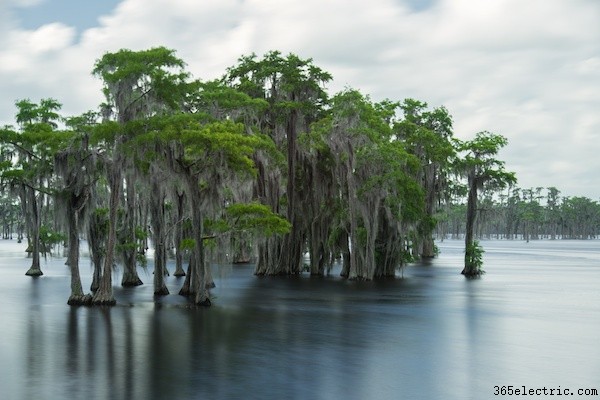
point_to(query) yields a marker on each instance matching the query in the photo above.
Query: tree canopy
(262, 165)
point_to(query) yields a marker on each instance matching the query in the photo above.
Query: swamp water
(533, 320)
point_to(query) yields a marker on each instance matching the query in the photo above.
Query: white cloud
(26, 3)
(589, 66)
(527, 70)
(31, 44)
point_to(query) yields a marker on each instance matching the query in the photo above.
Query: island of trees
(261, 166)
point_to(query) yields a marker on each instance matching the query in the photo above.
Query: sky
(527, 70)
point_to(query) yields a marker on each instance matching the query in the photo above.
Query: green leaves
(221, 101)
(479, 162)
(342, 169)
(484, 144)
(125, 63)
(361, 133)
(257, 218)
(30, 151)
(426, 134)
(474, 258)
(49, 238)
(286, 83)
(222, 144)
(142, 83)
(249, 217)
(43, 113)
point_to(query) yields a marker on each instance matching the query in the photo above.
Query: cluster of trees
(527, 214)
(261, 164)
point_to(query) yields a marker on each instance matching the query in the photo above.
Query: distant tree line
(527, 214)
(259, 166)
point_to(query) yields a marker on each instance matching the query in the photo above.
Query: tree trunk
(267, 191)
(293, 241)
(34, 218)
(104, 294)
(130, 275)
(345, 249)
(470, 269)
(427, 245)
(160, 287)
(77, 297)
(186, 287)
(96, 275)
(198, 284)
(157, 215)
(97, 244)
(179, 235)
(316, 249)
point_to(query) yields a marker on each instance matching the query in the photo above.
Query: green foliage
(50, 237)
(428, 223)
(581, 217)
(126, 246)
(13, 174)
(362, 235)
(105, 133)
(530, 214)
(386, 167)
(479, 162)
(221, 101)
(207, 144)
(187, 244)
(251, 75)
(101, 213)
(222, 140)
(210, 243)
(427, 135)
(216, 225)
(136, 81)
(33, 147)
(474, 257)
(407, 257)
(288, 85)
(140, 233)
(141, 259)
(257, 218)
(45, 112)
(348, 164)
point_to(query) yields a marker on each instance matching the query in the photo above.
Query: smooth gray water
(533, 320)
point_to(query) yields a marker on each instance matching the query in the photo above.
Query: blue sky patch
(79, 14)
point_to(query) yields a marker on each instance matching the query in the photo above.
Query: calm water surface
(533, 320)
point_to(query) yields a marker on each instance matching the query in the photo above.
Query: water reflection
(431, 335)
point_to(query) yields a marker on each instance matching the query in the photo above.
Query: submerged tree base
(34, 272)
(473, 260)
(199, 303)
(204, 303)
(472, 273)
(359, 279)
(179, 272)
(103, 300)
(163, 291)
(132, 282)
(278, 273)
(80, 300)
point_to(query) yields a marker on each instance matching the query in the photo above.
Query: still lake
(533, 320)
